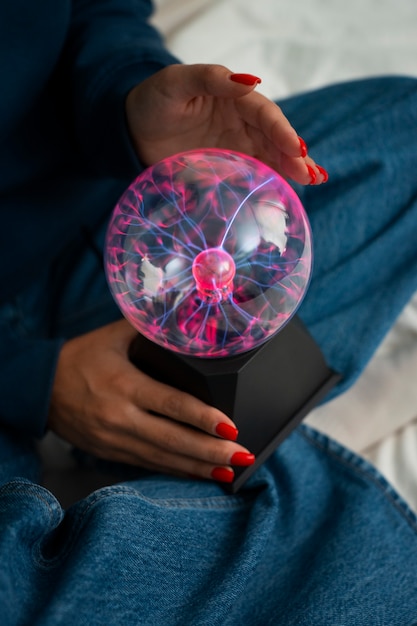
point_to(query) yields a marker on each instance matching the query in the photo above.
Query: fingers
(264, 118)
(210, 80)
(132, 434)
(304, 171)
(180, 438)
(104, 405)
(172, 448)
(175, 437)
(256, 111)
(172, 431)
(182, 407)
(286, 151)
(204, 105)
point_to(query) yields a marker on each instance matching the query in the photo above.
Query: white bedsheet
(295, 46)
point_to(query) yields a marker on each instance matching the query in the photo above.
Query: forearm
(110, 48)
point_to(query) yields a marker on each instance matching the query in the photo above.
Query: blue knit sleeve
(27, 369)
(111, 47)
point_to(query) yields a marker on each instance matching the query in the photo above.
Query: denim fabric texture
(316, 537)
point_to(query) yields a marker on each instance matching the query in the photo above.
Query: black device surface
(266, 392)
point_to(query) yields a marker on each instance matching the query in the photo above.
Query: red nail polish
(223, 474)
(303, 147)
(245, 79)
(324, 173)
(312, 173)
(226, 431)
(242, 458)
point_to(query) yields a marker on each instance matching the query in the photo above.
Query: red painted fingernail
(242, 458)
(223, 474)
(226, 431)
(303, 147)
(324, 173)
(312, 173)
(245, 79)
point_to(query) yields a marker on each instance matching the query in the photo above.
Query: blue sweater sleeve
(26, 369)
(111, 47)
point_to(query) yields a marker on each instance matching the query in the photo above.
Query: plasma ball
(213, 270)
(208, 253)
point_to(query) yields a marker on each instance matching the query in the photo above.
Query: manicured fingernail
(324, 173)
(242, 458)
(245, 79)
(223, 474)
(226, 431)
(303, 147)
(312, 173)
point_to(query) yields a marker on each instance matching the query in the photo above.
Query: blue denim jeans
(316, 536)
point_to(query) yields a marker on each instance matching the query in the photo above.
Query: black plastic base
(266, 392)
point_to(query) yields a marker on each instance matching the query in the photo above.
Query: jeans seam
(233, 501)
(86, 505)
(13, 486)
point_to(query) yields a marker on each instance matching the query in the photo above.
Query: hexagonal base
(266, 392)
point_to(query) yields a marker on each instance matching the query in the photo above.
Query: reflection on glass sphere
(208, 253)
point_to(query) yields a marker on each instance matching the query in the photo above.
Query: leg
(315, 538)
(364, 219)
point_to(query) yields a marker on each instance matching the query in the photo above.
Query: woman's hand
(104, 405)
(183, 107)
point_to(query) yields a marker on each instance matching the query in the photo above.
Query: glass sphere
(208, 253)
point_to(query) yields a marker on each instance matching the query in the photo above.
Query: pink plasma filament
(213, 271)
